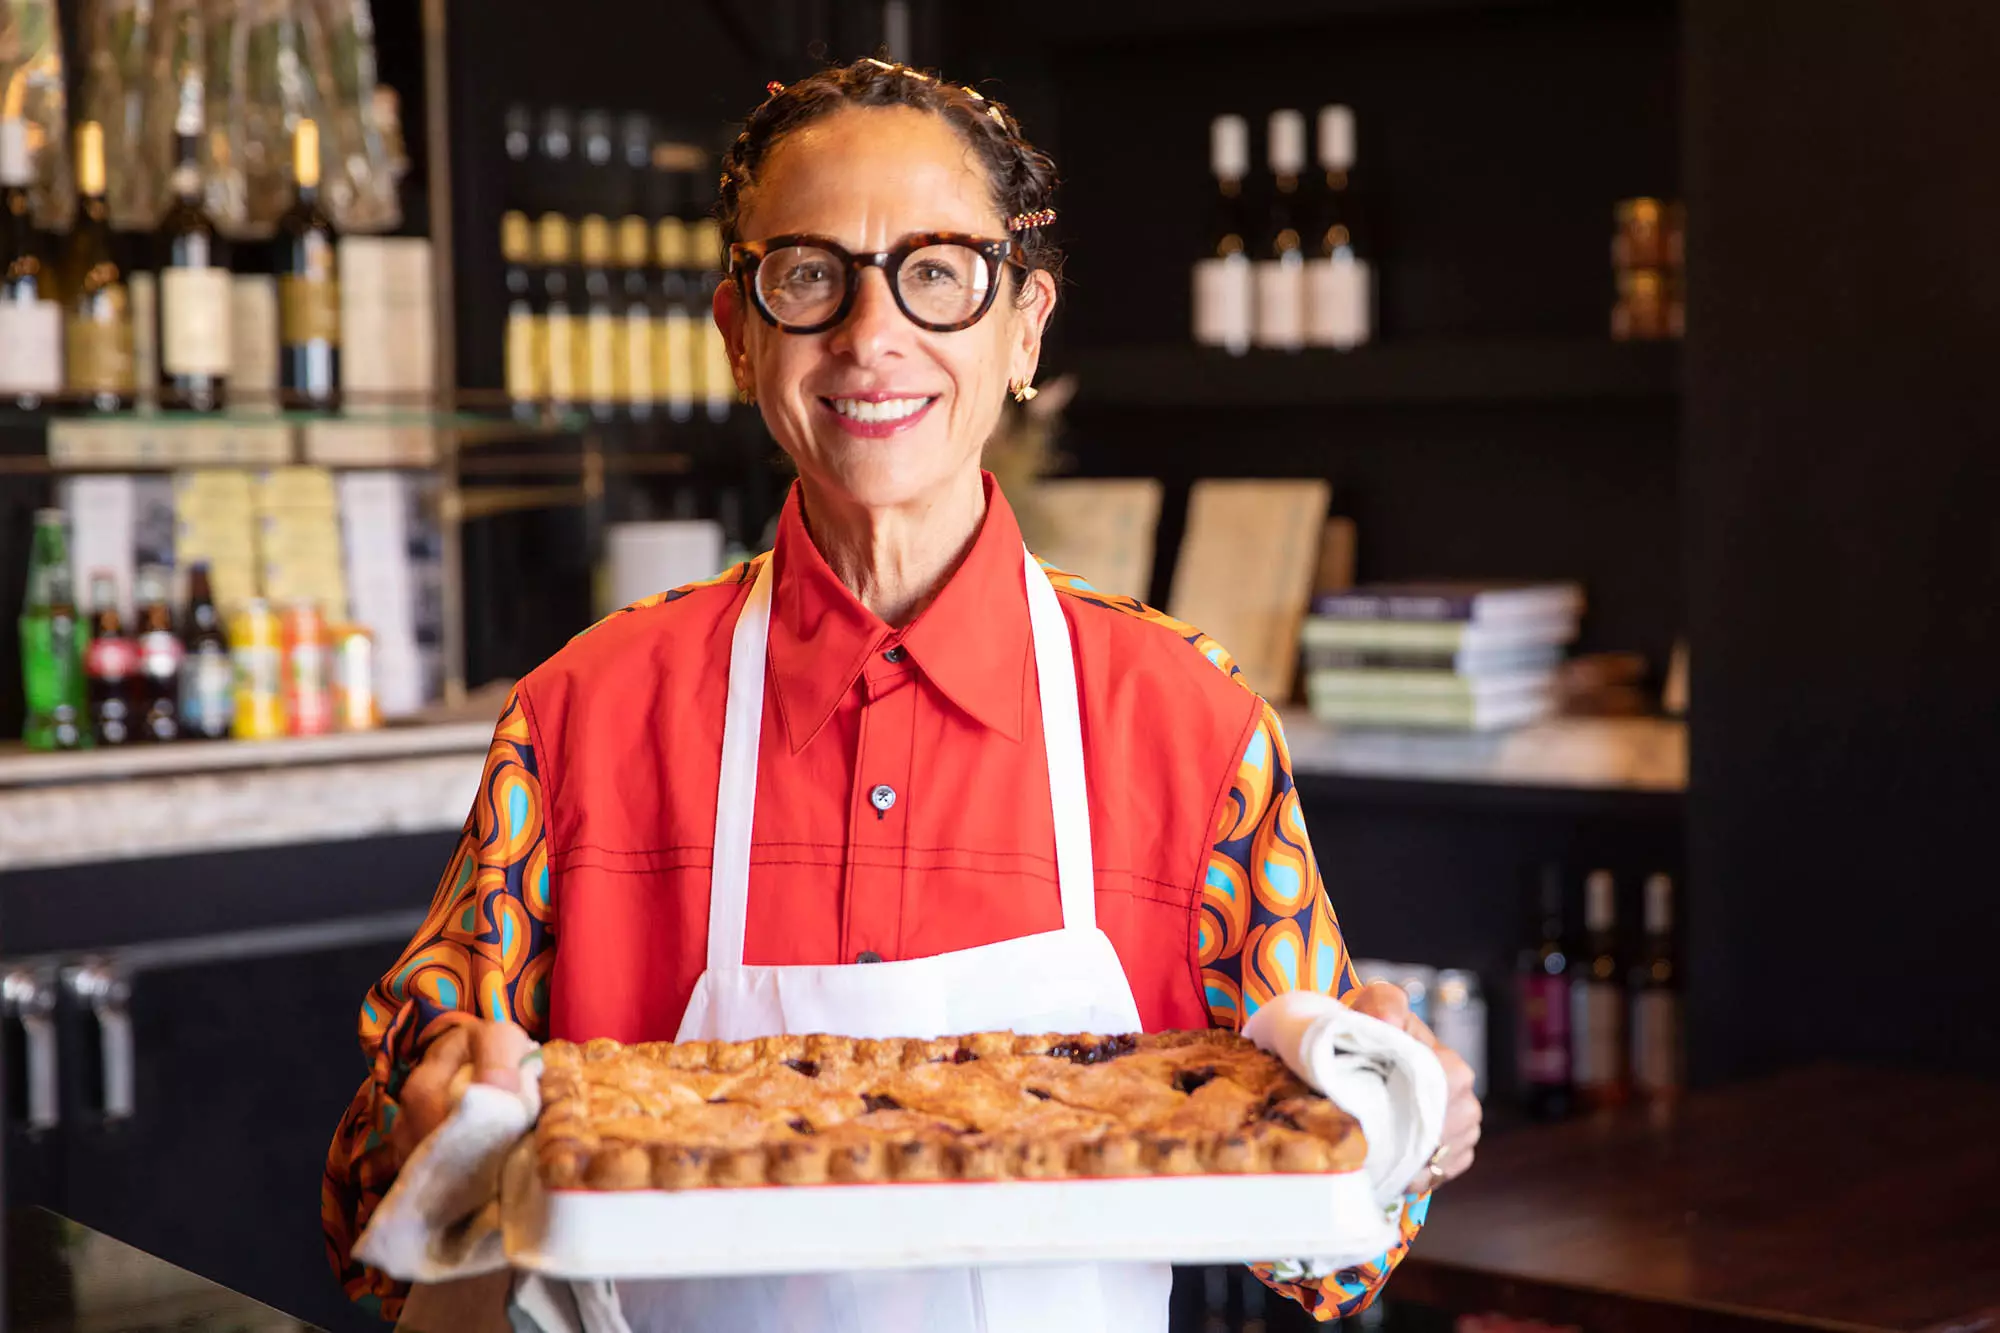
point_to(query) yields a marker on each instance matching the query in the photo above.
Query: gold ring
(1436, 1165)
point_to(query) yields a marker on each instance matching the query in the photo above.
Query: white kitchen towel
(1383, 1077)
(441, 1219)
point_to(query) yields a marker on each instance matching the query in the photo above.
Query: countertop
(66, 1278)
(1831, 1197)
(144, 801)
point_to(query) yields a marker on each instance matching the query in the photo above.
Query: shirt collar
(972, 641)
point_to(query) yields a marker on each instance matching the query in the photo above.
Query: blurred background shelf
(1624, 754)
(1472, 371)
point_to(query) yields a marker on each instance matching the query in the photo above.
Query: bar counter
(1832, 1197)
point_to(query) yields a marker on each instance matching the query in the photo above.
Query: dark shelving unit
(1528, 371)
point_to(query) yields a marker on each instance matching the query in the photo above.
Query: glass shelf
(387, 436)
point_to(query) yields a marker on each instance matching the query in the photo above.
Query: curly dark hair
(1020, 175)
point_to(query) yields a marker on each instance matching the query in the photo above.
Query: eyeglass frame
(746, 256)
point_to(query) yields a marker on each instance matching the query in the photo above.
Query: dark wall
(1843, 486)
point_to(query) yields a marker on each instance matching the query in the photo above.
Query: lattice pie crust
(808, 1110)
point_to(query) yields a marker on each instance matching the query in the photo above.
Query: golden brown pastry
(806, 1110)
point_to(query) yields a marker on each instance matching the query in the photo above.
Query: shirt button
(882, 798)
(895, 654)
(868, 956)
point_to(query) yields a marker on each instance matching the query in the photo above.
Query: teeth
(889, 409)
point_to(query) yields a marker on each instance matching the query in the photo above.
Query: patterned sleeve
(485, 950)
(1267, 926)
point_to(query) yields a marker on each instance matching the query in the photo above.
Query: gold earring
(1023, 391)
(748, 393)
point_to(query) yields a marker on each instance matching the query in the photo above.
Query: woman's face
(867, 177)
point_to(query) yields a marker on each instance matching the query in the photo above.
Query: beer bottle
(159, 659)
(51, 647)
(208, 699)
(109, 665)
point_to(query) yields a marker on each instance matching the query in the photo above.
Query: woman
(895, 737)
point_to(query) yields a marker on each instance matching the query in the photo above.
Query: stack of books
(1462, 656)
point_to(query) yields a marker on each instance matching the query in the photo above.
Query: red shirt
(627, 724)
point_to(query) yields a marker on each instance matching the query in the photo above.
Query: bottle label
(1656, 1041)
(600, 357)
(31, 347)
(308, 700)
(1597, 1026)
(98, 343)
(637, 345)
(1281, 303)
(194, 321)
(110, 659)
(208, 704)
(1462, 1028)
(308, 310)
(1339, 303)
(160, 655)
(1544, 1053)
(675, 372)
(524, 357)
(561, 349)
(1222, 303)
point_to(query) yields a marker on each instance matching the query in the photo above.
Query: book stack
(1458, 656)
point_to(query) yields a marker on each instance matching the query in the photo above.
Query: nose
(874, 328)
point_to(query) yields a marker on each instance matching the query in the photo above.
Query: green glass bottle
(52, 642)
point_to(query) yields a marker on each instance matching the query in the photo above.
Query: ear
(727, 307)
(1031, 312)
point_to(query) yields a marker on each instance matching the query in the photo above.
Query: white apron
(1065, 980)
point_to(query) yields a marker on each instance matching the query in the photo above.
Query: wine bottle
(1657, 1061)
(1340, 288)
(596, 132)
(635, 320)
(555, 170)
(717, 378)
(1542, 984)
(1597, 1000)
(194, 287)
(1222, 278)
(526, 376)
(30, 317)
(1281, 267)
(517, 177)
(597, 380)
(559, 326)
(308, 267)
(673, 343)
(97, 300)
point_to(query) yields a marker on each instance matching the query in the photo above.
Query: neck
(896, 560)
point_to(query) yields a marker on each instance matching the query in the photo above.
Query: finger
(1461, 1118)
(424, 1099)
(497, 1052)
(1458, 1076)
(1380, 999)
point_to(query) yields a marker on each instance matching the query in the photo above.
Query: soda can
(256, 652)
(355, 706)
(1460, 1020)
(308, 685)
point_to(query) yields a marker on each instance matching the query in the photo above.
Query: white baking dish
(634, 1234)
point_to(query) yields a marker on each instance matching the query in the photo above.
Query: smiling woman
(893, 778)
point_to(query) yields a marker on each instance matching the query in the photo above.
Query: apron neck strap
(736, 784)
(1062, 737)
(742, 733)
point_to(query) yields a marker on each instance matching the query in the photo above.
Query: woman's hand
(476, 1051)
(1380, 999)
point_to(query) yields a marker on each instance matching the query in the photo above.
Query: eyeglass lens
(939, 284)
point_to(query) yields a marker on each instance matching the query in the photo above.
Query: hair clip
(773, 88)
(1041, 217)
